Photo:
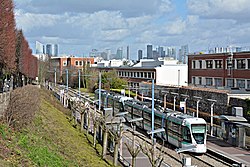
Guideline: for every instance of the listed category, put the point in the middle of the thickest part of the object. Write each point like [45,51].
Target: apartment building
[228,70]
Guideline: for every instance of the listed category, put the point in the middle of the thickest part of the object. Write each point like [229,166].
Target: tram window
[199,133]
[186,134]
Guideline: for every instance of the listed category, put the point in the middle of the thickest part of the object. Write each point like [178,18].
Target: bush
[23,104]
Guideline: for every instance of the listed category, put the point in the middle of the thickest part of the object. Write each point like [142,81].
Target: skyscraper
[139,55]
[183,53]
[56,50]
[149,51]
[52,49]
[49,49]
[119,53]
[39,48]
[127,52]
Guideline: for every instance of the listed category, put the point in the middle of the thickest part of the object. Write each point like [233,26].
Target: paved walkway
[228,150]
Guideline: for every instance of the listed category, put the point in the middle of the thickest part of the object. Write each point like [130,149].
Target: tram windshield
[199,132]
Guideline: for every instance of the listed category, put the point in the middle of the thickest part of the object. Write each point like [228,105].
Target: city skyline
[80,26]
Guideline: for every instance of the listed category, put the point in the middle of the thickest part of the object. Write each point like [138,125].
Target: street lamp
[185,100]
[212,114]
[197,105]
[165,99]
[175,95]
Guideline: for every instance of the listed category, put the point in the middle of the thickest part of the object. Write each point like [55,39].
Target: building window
[149,74]
[248,84]
[141,74]
[76,63]
[218,63]
[193,80]
[209,81]
[80,63]
[248,62]
[200,80]
[240,83]
[64,63]
[200,64]
[153,75]
[193,64]
[230,63]
[217,82]
[230,83]
[209,63]
[241,64]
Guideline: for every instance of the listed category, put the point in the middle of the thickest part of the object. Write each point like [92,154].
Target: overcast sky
[79,26]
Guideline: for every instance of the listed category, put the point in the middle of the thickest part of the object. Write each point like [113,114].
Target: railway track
[171,157]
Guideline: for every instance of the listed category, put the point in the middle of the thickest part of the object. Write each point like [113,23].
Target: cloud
[130,8]
[220,9]
[27,21]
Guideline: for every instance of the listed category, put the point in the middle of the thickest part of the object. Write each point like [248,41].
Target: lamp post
[165,100]
[55,76]
[100,86]
[175,95]
[153,110]
[197,105]
[79,83]
[185,100]
[212,114]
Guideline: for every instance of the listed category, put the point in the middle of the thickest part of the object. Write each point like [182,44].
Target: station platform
[221,147]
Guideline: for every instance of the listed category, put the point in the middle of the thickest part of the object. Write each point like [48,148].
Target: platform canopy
[232,118]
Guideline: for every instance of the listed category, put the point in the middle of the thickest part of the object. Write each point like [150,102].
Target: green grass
[50,140]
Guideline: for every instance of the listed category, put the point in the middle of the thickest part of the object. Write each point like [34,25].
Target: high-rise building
[39,48]
[161,52]
[127,52]
[139,55]
[171,52]
[55,51]
[119,53]
[183,53]
[49,49]
[149,51]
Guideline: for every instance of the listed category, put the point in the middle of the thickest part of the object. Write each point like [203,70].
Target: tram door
[186,135]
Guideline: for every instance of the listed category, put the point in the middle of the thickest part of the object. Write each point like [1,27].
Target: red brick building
[230,70]
[70,63]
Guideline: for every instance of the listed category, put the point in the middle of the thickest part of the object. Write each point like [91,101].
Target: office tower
[149,51]
[49,49]
[55,50]
[39,48]
[139,55]
[183,53]
[119,53]
[161,52]
[127,52]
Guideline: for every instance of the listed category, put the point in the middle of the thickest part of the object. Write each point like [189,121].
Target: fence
[4,101]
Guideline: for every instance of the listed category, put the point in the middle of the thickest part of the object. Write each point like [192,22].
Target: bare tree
[150,151]
[133,150]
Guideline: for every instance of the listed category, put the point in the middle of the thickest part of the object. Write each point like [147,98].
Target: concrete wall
[169,74]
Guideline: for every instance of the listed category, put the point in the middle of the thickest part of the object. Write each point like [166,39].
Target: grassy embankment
[50,140]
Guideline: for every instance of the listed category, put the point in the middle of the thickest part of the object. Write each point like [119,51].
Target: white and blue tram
[181,130]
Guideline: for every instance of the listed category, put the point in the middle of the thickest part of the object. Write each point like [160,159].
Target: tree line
[16,59]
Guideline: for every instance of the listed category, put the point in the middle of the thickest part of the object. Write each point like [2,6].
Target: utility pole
[79,82]
[153,110]
[55,76]
[100,86]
